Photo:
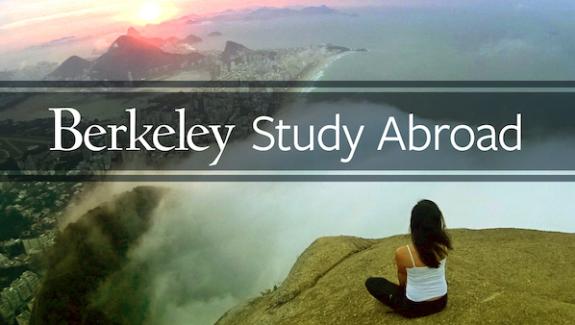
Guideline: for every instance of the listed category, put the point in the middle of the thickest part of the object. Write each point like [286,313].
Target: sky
[38,23]
[24,23]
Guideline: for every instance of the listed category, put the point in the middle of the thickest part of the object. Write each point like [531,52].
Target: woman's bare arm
[401,269]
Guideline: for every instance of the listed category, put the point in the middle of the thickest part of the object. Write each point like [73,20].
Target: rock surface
[498,276]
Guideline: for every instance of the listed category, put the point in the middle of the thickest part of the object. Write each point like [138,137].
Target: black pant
[393,296]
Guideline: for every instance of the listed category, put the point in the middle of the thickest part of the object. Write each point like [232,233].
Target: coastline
[316,73]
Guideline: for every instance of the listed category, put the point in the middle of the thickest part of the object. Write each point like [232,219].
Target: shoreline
[316,73]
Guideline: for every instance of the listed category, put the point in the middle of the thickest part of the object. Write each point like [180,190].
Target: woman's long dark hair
[428,233]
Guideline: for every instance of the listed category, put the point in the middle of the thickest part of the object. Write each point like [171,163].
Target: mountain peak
[234,46]
[326,284]
[133,32]
[127,41]
[137,58]
[233,50]
[73,68]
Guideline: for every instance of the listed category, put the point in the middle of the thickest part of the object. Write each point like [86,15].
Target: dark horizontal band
[292,84]
[288,178]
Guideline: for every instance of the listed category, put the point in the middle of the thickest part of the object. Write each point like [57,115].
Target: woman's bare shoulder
[401,250]
[401,253]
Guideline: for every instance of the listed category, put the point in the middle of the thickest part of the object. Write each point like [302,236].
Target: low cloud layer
[213,245]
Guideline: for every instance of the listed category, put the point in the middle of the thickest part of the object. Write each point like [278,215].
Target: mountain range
[262,13]
[274,13]
[132,56]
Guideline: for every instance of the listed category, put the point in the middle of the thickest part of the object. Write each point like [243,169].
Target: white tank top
[425,283]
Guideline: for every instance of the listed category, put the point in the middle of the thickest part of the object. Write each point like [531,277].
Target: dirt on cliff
[507,276]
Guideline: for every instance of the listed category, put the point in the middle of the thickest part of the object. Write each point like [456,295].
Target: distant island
[268,13]
[215,34]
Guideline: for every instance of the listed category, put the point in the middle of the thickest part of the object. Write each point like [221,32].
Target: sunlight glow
[150,11]
[153,12]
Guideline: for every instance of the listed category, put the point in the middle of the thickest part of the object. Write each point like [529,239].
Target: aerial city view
[109,227]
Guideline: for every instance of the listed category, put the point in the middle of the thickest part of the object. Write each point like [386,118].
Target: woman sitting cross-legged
[422,288]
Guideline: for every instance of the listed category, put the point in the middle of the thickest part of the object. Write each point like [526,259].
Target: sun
[152,12]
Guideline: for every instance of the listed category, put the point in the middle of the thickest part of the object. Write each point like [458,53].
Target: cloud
[214,245]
